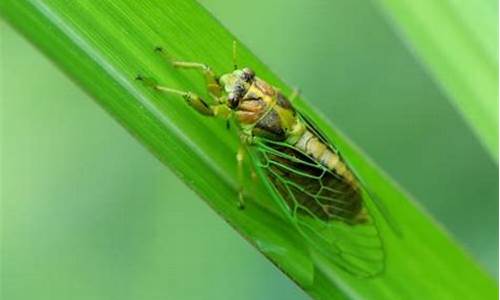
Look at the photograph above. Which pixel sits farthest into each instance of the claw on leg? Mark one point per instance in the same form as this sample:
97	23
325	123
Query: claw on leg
164	54
149	82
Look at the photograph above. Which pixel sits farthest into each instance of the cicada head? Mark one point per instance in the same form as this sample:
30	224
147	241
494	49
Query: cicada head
236	85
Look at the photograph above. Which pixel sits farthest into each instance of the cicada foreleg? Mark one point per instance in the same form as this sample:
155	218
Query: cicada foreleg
195	101
211	79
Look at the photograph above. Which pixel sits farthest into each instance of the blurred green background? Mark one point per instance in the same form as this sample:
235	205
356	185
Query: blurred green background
88	213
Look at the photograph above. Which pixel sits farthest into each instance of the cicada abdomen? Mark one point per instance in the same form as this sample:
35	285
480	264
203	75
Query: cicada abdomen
311	181
328	208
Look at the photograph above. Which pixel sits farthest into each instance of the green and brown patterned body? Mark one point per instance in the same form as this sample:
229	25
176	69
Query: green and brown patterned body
304	171
262	111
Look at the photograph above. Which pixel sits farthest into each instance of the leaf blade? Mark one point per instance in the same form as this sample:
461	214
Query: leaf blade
460	53
104	45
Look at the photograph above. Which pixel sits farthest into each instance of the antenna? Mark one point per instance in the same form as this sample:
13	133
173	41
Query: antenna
235	65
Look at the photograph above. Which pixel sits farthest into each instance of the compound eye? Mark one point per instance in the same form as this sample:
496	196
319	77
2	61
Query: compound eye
233	100
248	74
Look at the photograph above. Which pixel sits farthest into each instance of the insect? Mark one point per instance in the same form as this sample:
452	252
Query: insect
310	180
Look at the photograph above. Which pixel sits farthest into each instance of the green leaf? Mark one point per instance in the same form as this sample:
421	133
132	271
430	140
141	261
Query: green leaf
458	43
103	45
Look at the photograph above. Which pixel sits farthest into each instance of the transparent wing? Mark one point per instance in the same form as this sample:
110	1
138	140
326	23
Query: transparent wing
329	212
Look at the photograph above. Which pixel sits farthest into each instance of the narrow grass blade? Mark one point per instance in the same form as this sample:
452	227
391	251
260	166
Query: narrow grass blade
458	43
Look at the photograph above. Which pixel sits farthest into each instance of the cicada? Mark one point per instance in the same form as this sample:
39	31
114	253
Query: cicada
309	178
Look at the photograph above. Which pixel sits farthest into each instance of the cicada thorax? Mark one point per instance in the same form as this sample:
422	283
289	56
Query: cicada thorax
264	112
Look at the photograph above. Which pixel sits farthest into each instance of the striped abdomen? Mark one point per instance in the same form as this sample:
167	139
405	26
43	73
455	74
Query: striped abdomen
313	146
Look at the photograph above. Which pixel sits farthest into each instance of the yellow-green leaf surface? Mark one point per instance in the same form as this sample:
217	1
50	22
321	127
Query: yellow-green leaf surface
458	43
103	45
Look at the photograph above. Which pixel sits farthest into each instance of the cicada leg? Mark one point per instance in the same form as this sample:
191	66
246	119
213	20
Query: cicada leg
240	156
211	79
195	101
